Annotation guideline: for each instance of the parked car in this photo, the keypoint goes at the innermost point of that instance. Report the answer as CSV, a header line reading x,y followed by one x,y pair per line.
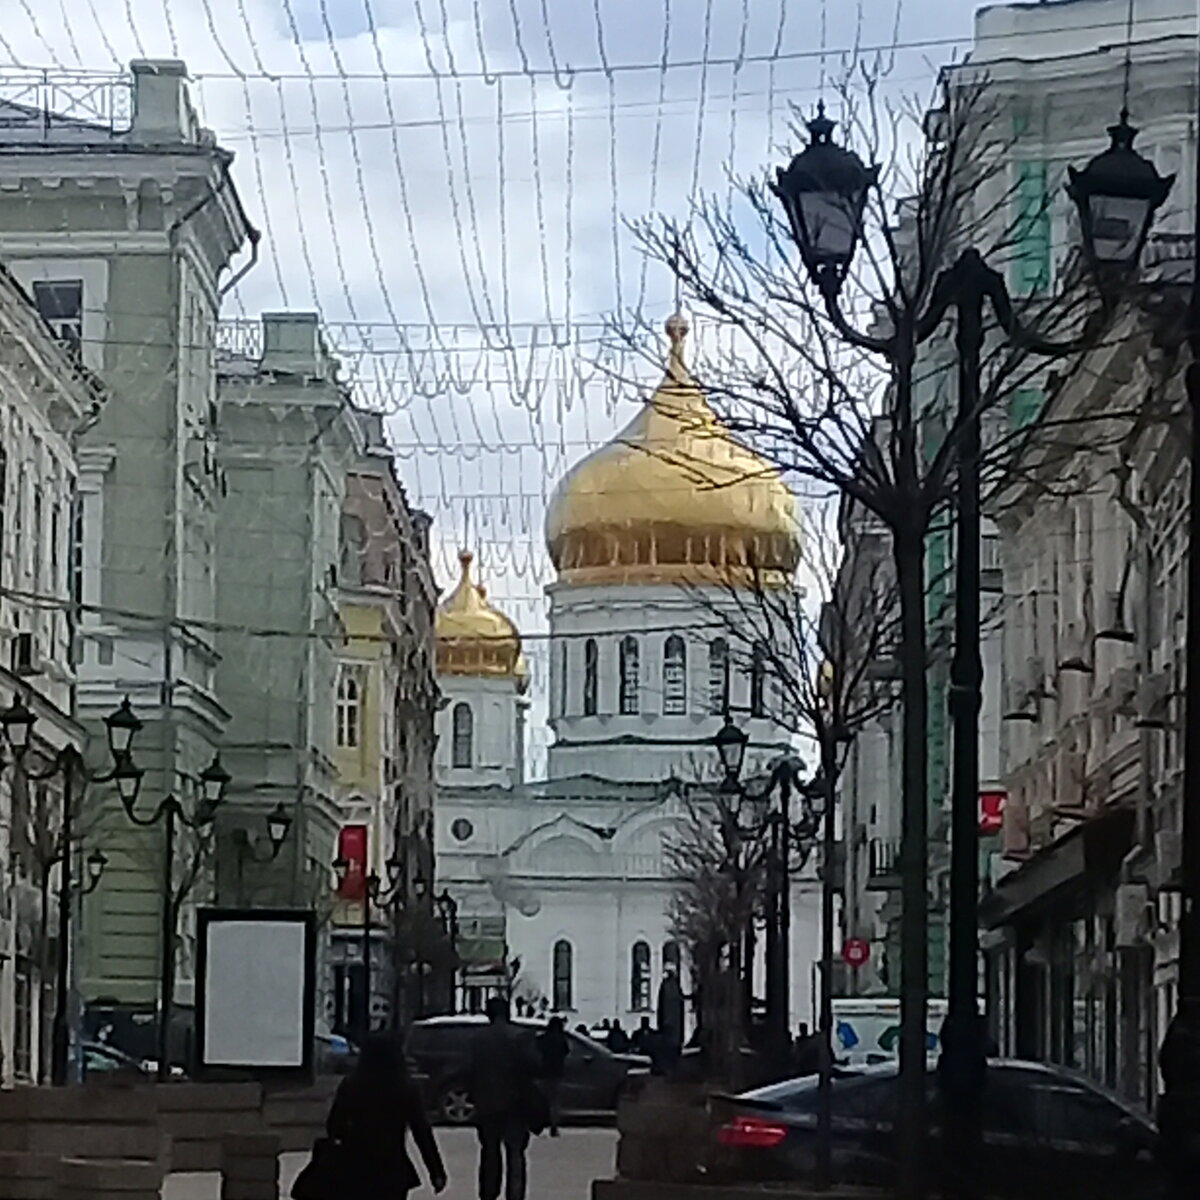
x,y
1048,1133
107,1063
335,1055
594,1078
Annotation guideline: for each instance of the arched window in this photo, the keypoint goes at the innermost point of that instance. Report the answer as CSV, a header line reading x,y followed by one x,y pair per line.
x,y
671,960
562,969
718,677
639,977
758,681
630,689
349,709
591,669
462,743
674,680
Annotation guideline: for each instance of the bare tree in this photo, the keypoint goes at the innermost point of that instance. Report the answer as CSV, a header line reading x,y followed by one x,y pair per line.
x,y
867,414
719,861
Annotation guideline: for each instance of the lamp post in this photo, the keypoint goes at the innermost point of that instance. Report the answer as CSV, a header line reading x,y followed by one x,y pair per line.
x,y
375,895
279,825
824,192
785,834
17,721
213,783
447,910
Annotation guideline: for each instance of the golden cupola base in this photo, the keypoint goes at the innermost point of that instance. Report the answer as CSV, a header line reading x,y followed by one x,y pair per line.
x,y
674,499
473,638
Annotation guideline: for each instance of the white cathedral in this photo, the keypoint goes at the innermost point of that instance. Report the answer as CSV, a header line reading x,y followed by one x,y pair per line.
x,y
566,878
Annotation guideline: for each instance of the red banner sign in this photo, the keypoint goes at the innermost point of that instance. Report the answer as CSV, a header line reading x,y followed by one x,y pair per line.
x,y
856,952
352,849
991,812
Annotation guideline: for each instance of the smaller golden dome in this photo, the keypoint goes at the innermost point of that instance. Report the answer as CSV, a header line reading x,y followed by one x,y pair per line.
x,y
473,638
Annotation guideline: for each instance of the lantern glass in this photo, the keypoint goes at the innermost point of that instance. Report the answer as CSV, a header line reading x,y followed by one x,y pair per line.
x,y
128,779
1119,225
18,725
214,779
731,747
279,825
341,870
830,227
395,869
122,725
96,862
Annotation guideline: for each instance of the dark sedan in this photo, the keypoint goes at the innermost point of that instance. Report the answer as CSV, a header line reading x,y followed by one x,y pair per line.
x,y
594,1078
1048,1133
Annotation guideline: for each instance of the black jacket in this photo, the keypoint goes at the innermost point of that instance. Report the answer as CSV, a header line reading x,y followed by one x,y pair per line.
x,y
553,1047
371,1123
502,1070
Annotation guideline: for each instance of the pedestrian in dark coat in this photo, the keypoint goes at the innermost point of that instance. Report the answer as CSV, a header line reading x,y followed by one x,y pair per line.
x,y
373,1109
553,1047
503,1073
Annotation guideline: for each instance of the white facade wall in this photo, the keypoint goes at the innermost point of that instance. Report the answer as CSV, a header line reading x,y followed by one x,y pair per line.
x,y
541,865
650,745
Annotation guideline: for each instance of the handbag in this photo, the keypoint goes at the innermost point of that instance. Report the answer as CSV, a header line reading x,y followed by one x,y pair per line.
x,y
323,1175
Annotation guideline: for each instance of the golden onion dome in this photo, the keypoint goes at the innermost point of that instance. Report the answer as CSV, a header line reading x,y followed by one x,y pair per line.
x,y
674,498
473,638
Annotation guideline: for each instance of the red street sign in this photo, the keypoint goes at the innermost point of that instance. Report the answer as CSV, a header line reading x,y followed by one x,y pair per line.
x,y
991,812
856,952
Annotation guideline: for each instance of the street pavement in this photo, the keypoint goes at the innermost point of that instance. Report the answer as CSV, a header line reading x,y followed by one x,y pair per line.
x,y
559,1168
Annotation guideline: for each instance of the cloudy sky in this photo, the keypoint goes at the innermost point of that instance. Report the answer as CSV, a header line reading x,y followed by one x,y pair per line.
x,y
447,182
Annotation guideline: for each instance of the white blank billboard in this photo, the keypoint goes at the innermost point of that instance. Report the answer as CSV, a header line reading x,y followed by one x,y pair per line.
x,y
257,991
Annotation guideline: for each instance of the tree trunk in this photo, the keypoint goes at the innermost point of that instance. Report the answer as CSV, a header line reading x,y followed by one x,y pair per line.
x,y
908,547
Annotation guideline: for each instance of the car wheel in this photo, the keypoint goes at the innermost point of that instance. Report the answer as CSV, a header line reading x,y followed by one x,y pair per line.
x,y
455,1104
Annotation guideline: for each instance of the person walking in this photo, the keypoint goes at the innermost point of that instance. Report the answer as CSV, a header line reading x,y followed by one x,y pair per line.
x,y
375,1106
617,1039
553,1047
502,1074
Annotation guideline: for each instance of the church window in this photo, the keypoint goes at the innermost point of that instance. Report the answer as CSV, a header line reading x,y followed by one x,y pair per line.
x,y
462,747
758,681
671,957
591,668
718,677
349,709
630,690
674,676
639,977
562,970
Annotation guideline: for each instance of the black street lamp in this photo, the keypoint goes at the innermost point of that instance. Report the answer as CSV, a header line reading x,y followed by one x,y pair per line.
x,y
447,910
279,825
212,783
1117,195
785,833
730,742
17,722
375,896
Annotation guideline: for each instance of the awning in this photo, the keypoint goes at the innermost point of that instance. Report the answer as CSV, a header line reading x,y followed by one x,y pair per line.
x,y
1092,851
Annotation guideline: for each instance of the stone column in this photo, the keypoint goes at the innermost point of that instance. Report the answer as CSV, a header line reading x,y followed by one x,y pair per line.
x,y
250,1166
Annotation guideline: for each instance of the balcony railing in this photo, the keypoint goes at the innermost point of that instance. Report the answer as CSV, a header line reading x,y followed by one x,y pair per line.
x,y
883,871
